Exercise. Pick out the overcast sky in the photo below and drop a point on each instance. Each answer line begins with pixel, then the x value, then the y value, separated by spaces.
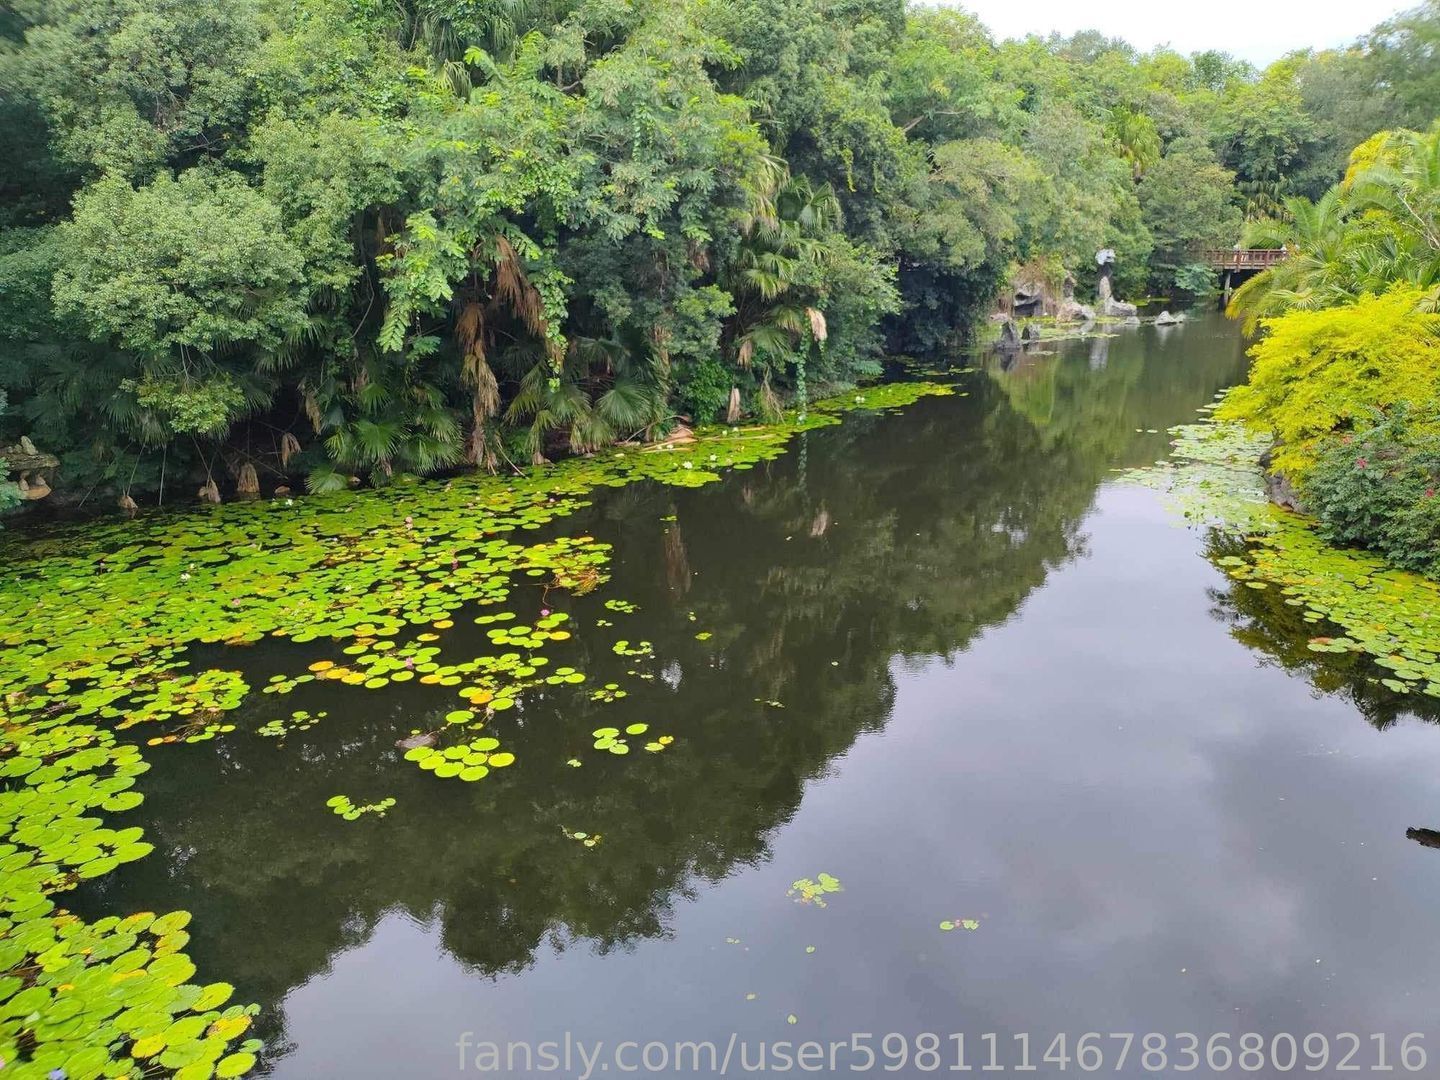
pixel 1256 30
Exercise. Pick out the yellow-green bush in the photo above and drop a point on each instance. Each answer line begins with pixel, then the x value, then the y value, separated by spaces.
pixel 1318 372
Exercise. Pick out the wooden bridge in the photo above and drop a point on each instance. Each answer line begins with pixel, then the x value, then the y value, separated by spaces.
pixel 1247 260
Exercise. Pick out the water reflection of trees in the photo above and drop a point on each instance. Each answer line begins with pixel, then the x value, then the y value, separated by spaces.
pixel 882 538
pixel 1261 620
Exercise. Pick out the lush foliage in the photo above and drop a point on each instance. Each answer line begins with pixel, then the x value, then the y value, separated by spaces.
pixel 1377 489
pixel 1379 227
pixel 245 242
pixel 1345 377
pixel 1317 374
pixel 9 491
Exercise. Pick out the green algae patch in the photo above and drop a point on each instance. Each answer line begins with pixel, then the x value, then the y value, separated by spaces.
pixel 1356 601
pixel 101 627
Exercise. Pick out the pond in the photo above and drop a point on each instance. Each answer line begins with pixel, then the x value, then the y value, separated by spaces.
pixel 960 735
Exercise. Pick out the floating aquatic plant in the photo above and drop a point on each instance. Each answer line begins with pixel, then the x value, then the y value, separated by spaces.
pixel 300 720
pixel 468 761
pixel 806 891
pixel 345 808
pixel 611 739
pixel 101 623
pixel 103 998
pixel 960 924
pixel 639 648
pixel 1390 615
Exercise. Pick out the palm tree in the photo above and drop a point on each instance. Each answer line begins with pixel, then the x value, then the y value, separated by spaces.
pixel 606 389
pixel 1135 137
pixel 1315 273
pixel 776 276
pixel 494 26
pixel 1398 196
pixel 1378 228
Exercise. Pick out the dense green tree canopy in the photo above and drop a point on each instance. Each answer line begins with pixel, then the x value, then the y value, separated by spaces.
pixel 343 240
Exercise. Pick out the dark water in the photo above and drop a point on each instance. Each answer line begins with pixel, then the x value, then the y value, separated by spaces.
pixel 1012 692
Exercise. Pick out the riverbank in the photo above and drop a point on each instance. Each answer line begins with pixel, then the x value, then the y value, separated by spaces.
pixel 1356 601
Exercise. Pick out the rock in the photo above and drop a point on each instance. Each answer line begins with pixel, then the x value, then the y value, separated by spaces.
pixel 281 491
pixel 31 490
pixel 1133 320
pixel 1074 311
pixel 209 492
pixel 1278 489
pixel 1280 492
pixel 414 742
pixel 24 458
pixel 1028 300
pixel 1108 306
pixel 1030 333
pixel 127 506
pixel 1166 319
pixel 1009 339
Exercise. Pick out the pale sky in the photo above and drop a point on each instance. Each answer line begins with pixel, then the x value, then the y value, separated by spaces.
pixel 1255 30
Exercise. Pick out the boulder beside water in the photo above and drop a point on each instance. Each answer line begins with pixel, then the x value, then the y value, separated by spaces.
pixel 1074 311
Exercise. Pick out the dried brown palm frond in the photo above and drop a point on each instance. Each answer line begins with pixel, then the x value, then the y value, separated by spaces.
pixel 476 370
pixel 312 407
pixel 818 329
pixel 514 288
pixel 770 406
pixel 289 447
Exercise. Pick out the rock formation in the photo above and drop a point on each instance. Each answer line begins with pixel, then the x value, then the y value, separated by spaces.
pixel 30 465
pixel 1111 308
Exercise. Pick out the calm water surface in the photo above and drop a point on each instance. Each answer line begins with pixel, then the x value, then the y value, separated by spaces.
pixel 953 664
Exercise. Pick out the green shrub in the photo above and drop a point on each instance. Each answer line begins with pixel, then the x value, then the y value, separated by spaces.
pixel 1377 488
pixel 1197 280
pixel 705 389
pixel 1320 372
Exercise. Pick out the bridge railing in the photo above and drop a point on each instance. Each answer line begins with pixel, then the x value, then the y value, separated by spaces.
pixel 1243 258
